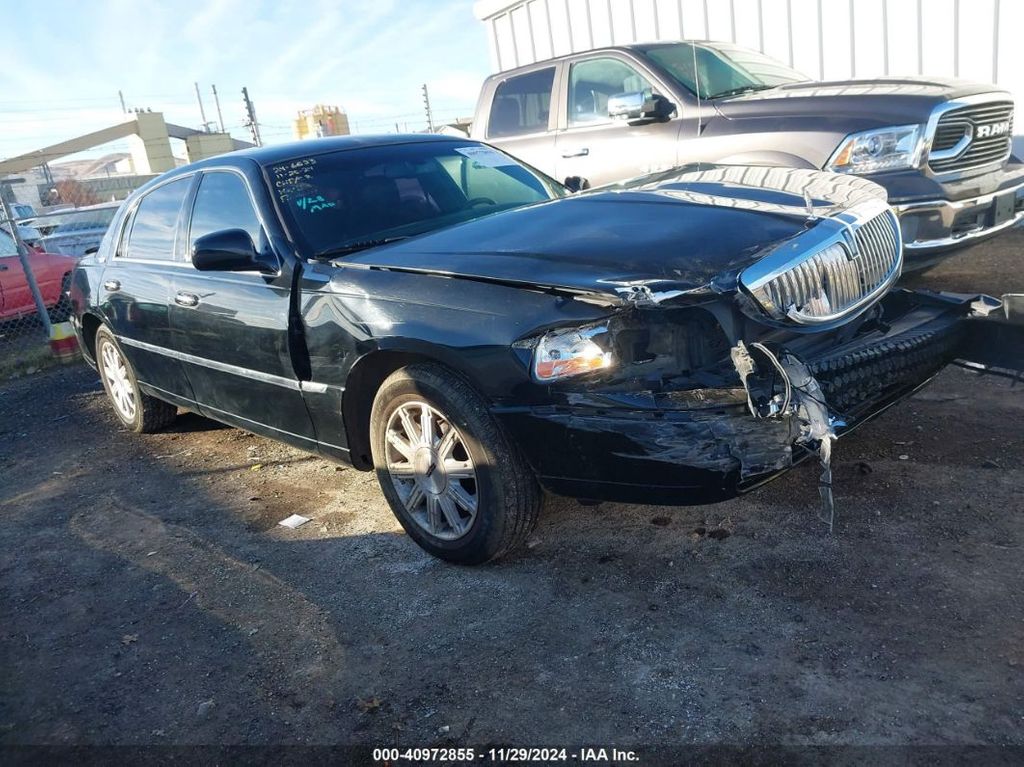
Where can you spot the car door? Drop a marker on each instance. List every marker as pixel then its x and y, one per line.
pixel 596 147
pixel 15 297
pixel 232 327
pixel 522 118
pixel 135 286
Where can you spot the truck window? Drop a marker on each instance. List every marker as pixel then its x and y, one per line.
pixel 521 104
pixel 593 81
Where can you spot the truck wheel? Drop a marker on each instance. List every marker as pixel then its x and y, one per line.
pixel 139 412
pixel 458 486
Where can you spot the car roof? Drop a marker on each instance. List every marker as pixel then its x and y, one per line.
pixel 625 47
pixel 294 150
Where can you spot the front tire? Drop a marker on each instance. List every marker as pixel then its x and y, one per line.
pixel 453 479
pixel 139 412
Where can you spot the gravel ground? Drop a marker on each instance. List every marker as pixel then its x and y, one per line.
pixel 149 597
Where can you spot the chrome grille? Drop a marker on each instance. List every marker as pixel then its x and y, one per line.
pixel 964 122
pixel 850 264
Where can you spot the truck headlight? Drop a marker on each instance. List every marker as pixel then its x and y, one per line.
pixel 877 150
pixel 565 353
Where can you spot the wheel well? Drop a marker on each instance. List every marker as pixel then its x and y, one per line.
pixel 90 324
pixel 361 387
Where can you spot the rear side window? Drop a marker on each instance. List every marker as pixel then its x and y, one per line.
pixel 223 202
pixel 521 104
pixel 156 222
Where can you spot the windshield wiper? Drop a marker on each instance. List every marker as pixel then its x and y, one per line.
pixel 741 90
pixel 352 247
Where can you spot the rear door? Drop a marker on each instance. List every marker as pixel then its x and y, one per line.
pixel 232 327
pixel 600 149
pixel 135 287
pixel 522 117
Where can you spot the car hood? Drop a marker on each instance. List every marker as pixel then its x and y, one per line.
pixel 889 100
pixel 661 234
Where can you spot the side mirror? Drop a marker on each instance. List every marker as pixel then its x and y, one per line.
pixel 576 183
pixel 639 106
pixel 230 250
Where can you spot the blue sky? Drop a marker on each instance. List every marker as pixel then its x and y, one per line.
pixel 66 61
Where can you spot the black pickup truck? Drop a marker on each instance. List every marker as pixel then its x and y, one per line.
pixel 940 148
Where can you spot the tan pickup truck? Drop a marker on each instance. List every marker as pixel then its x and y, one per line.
pixel 941 148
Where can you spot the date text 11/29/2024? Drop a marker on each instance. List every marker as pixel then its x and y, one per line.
pixel 505 754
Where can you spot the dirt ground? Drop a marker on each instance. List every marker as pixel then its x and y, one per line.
pixel 148 596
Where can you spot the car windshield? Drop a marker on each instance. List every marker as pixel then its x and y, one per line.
pixel 92 218
pixel 722 70
pixel 344 201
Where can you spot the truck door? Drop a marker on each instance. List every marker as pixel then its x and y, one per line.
pixel 595 146
pixel 522 118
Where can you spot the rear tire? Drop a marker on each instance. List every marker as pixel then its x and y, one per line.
pixel 464 493
pixel 139 412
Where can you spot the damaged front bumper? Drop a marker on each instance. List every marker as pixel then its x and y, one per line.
pixel 700 445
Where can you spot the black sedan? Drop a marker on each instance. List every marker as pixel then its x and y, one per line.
pixel 434 310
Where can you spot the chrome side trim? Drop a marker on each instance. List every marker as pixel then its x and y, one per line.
pixel 224 367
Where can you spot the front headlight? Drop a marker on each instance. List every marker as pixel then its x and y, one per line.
pixel 565 353
pixel 877 150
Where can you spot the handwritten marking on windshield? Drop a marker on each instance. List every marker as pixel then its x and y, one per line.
pixel 313 204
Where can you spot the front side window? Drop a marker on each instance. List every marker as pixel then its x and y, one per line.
pixel 724 70
pixel 593 82
pixel 8 247
pixel 155 225
pixel 344 201
pixel 223 202
pixel 521 104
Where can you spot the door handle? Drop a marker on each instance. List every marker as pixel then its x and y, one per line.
pixel 112 285
pixel 186 299
pixel 581 152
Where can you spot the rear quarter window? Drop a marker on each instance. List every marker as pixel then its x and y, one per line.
pixel 521 104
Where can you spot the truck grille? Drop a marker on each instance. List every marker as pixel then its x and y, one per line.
pixel 972 123
pixel 845 273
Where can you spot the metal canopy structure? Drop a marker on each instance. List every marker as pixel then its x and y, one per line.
pixel 148 126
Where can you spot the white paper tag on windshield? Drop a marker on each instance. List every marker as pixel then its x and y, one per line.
pixel 484 155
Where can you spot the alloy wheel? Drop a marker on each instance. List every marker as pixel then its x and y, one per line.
pixel 122 391
pixel 431 470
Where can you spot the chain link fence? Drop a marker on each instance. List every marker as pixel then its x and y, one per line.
pixel 39 247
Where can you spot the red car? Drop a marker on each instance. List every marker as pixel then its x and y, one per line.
pixel 52 273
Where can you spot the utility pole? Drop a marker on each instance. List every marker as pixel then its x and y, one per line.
pixel 250 123
pixel 426 103
pixel 202 112
pixel 33 286
pixel 216 100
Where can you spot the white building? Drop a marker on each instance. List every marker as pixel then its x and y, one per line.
pixel 977 40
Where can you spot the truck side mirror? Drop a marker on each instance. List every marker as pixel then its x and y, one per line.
pixel 639 107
